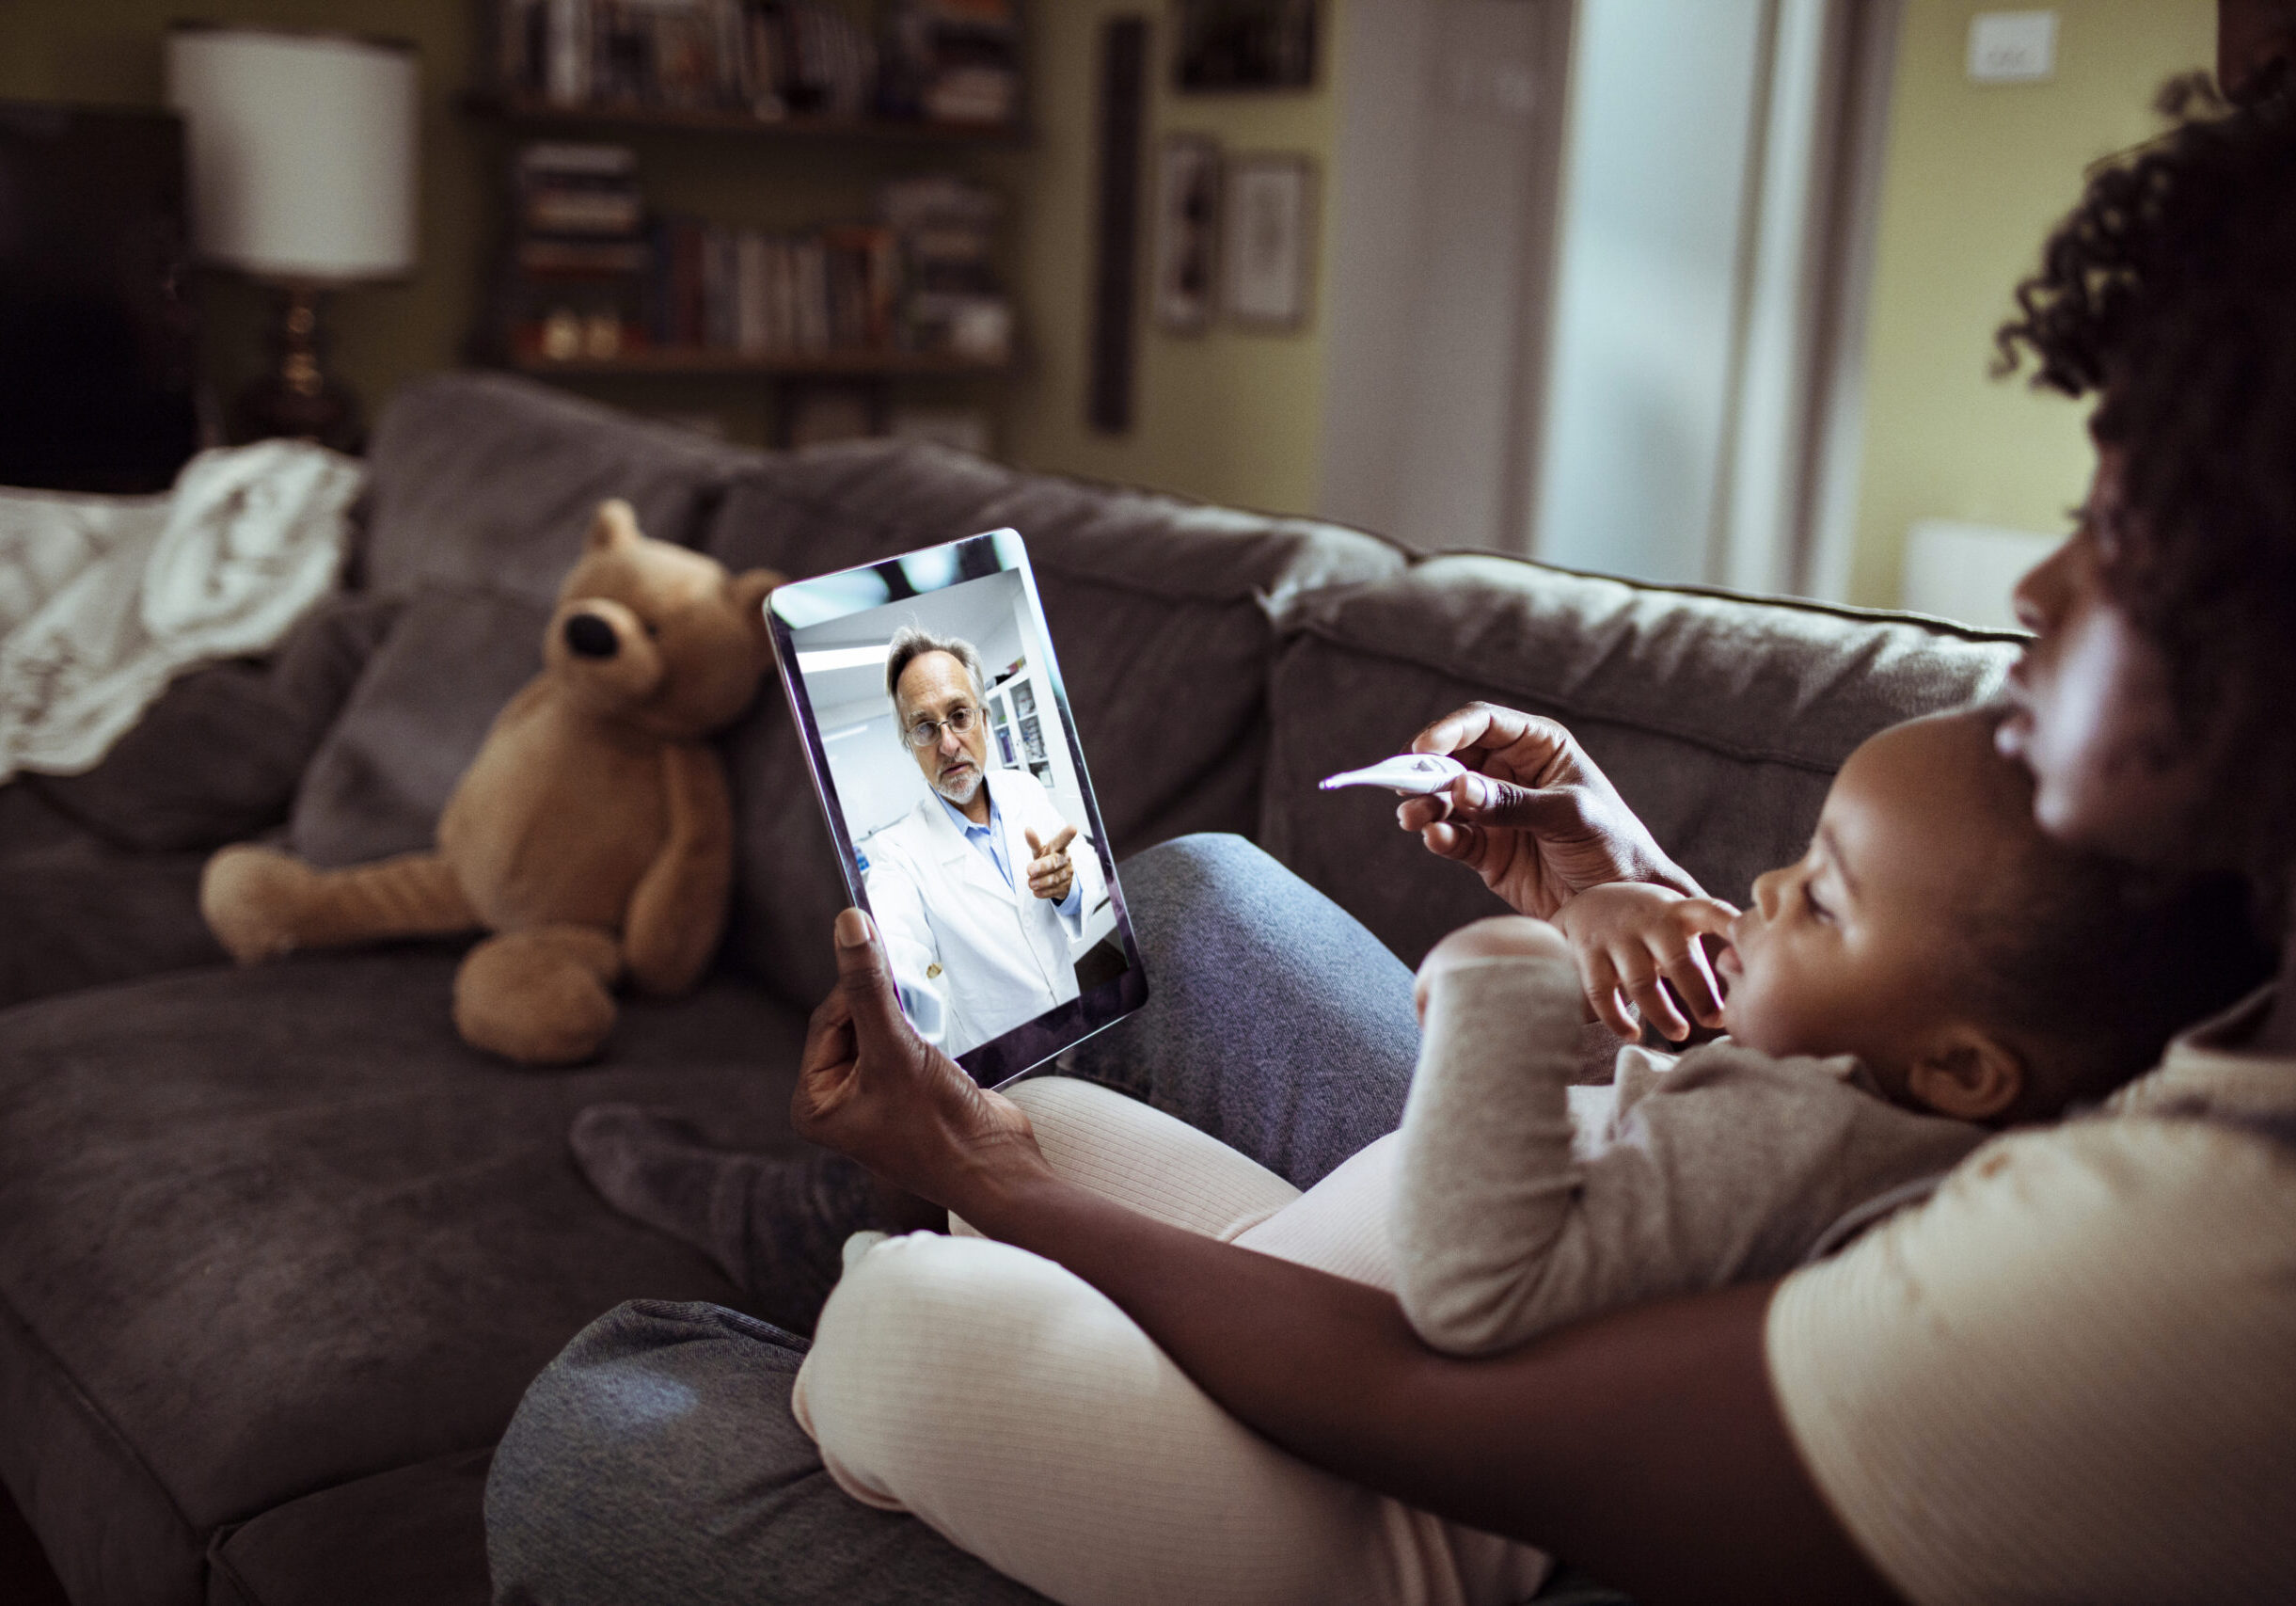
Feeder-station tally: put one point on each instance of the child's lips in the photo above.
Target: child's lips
(1726, 962)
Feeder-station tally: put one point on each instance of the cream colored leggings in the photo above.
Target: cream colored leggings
(1016, 1411)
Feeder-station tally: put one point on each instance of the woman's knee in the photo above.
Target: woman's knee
(921, 1326)
(1205, 867)
(619, 1437)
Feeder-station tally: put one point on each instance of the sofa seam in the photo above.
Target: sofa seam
(216, 1563)
(84, 1402)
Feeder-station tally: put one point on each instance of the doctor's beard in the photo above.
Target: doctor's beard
(962, 790)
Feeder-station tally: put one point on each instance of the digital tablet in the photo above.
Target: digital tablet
(937, 734)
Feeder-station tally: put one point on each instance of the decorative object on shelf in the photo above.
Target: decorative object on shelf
(1244, 44)
(954, 62)
(1187, 233)
(1268, 241)
(302, 155)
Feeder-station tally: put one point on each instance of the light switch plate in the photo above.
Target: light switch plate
(2012, 47)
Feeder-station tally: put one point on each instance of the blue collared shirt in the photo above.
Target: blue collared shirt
(989, 840)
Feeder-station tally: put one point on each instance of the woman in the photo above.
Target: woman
(2068, 1378)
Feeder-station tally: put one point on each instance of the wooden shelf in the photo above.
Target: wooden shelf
(524, 109)
(826, 365)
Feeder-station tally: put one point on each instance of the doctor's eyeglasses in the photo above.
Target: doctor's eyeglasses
(962, 720)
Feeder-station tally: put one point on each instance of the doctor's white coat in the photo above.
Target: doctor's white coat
(973, 957)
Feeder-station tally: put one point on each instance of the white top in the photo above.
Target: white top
(2071, 1375)
(973, 956)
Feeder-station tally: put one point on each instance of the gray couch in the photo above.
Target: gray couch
(278, 1254)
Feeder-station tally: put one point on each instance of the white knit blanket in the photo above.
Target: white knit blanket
(105, 599)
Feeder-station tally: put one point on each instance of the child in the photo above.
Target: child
(1956, 971)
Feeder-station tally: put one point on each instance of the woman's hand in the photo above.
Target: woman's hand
(870, 1087)
(1536, 820)
(1629, 938)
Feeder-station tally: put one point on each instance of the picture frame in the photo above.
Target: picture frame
(1224, 45)
(1268, 240)
(1184, 284)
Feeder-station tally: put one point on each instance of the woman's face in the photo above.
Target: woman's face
(2113, 771)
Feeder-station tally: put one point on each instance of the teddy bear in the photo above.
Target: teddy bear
(592, 835)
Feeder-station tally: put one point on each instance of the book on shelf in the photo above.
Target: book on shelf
(951, 61)
(765, 294)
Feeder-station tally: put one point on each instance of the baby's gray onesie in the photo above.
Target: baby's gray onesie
(1692, 1171)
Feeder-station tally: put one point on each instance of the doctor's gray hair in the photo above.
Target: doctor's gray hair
(912, 641)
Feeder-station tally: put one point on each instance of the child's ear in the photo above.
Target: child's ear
(1969, 1076)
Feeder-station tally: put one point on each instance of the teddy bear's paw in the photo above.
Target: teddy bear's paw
(538, 998)
(250, 897)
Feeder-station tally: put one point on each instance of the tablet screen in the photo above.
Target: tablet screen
(939, 736)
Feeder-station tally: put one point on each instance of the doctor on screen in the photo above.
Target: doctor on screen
(977, 889)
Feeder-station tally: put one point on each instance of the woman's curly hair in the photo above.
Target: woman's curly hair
(2170, 293)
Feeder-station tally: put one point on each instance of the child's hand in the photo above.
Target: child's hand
(1628, 937)
(1500, 935)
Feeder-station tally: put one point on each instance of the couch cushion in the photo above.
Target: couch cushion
(413, 1535)
(1721, 718)
(218, 757)
(267, 1231)
(414, 722)
(1165, 614)
(82, 913)
(485, 479)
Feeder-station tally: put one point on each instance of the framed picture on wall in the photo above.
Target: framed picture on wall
(1268, 240)
(1245, 44)
(1187, 241)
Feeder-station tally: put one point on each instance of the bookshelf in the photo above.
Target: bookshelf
(875, 282)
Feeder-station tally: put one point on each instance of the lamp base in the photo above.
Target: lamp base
(297, 397)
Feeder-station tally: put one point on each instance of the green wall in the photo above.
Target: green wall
(1228, 416)
(1974, 177)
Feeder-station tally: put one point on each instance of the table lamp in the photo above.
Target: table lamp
(302, 155)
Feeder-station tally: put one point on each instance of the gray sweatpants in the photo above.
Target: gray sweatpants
(655, 1459)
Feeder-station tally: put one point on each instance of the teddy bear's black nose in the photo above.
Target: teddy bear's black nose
(591, 636)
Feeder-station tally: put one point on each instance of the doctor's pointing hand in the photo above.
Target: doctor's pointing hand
(1050, 874)
(975, 890)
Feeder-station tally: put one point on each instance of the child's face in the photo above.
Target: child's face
(1855, 949)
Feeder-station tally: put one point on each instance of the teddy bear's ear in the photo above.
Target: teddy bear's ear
(749, 589)
(616, 525)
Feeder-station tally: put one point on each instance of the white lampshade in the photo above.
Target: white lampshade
(302, 150)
